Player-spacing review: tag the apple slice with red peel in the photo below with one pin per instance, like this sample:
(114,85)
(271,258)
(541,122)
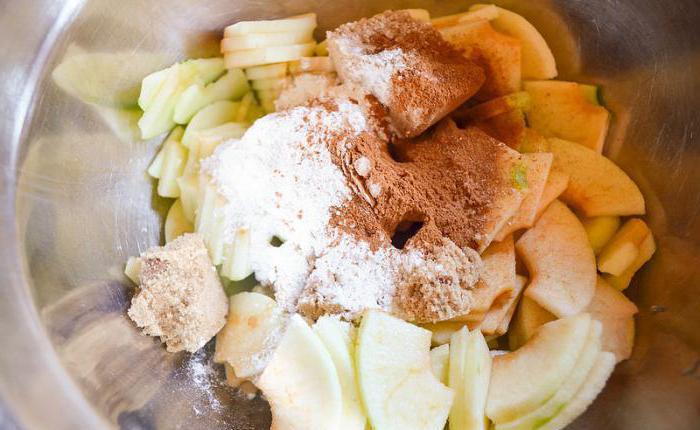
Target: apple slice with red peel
(397,386)
(560,261)
(523,380)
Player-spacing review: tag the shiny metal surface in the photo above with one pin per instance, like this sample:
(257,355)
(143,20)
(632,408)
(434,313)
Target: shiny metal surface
(75,203)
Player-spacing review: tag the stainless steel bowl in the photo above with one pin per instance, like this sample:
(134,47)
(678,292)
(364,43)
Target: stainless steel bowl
(75,203)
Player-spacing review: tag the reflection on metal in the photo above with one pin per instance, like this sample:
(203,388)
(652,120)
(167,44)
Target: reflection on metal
(76,202)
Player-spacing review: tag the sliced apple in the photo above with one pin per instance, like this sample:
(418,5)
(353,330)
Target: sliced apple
(264,40)
(214,115)
(301,383)
(571,385)
(133,270)
(248,339)
(270,84)
(176,224)
(397,386)
(538,167)
(497,319)
(469,376)
(173,164)
(231,86)
(312,65)
(497,277)
(622,250)
(560,109)
(484,14)
(321,49)
(494,107)
(560,261)
(269,55)
(537,59)
(528,318)
(297,23)
(442,331)
(616,313)
(418,14)
(646,250)
(236,256)
(523,380)
(277,70)
(594,384)
(339,339)
(497,53)
(556,184)
(439,362)
(600,230)
(597,187)
(508,127)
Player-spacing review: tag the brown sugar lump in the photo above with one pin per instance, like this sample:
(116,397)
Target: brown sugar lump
(407,66)
(180,297)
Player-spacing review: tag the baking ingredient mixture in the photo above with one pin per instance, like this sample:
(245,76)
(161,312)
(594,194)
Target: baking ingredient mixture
(341,207)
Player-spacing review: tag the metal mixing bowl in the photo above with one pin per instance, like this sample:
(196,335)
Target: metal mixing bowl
(75,203)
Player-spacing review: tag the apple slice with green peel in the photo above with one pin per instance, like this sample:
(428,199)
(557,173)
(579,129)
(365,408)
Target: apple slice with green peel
(173,164)
(616,313)
(560,109)
(537,59)
(252,331)
(486,13)
(622,250)
(301,383)
(594,384)
(600,230)
(646,250)
(439,362)
(568,389)
(397,386)
(469,376)
(556,184)
(264,40)
(339,339)
(597,187)
(231,86)
(214,115)
(560,262)
(176,224)
(498,53)
(277,70)
(293,24)
(521,381)
(269,55)
(528,318)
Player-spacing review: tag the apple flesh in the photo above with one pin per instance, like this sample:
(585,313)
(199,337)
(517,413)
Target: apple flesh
(397,386)
(439,362)
(297,23)
(494,107)
(521,381)
(172,164)
(528,318)
(616,313)
(497,319)
(469,377)
(600,230)
(301,383)
(486,13)
(622,250)
(646,250)
(231,86)
(560,109)
(556,184)
(560,262)
(176,224)
(213,115)
(268,55)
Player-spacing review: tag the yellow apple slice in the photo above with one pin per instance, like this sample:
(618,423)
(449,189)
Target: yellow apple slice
(594,384)
(176,224)
(439,362)
(301,383)
(270,84)
(600,230)
(312,65)
(498,53)
(622,250)
(646,250)
(560,261)
(497,319)
(523,380)
(248,339)
(538,167)
(321,49)
(418,14)
(213,115)
(616,313)
(397,386)
(568,389)
(528,318)
(486,13)
(339,339)
(264,40)
(597,187)
(277,70)
(133,270)
(269,55)
(469,376)
(560,109)
(538,61)
(293,24)
(556,184)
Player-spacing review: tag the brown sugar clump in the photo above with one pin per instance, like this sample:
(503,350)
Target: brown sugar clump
(407,66)
(180,297)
